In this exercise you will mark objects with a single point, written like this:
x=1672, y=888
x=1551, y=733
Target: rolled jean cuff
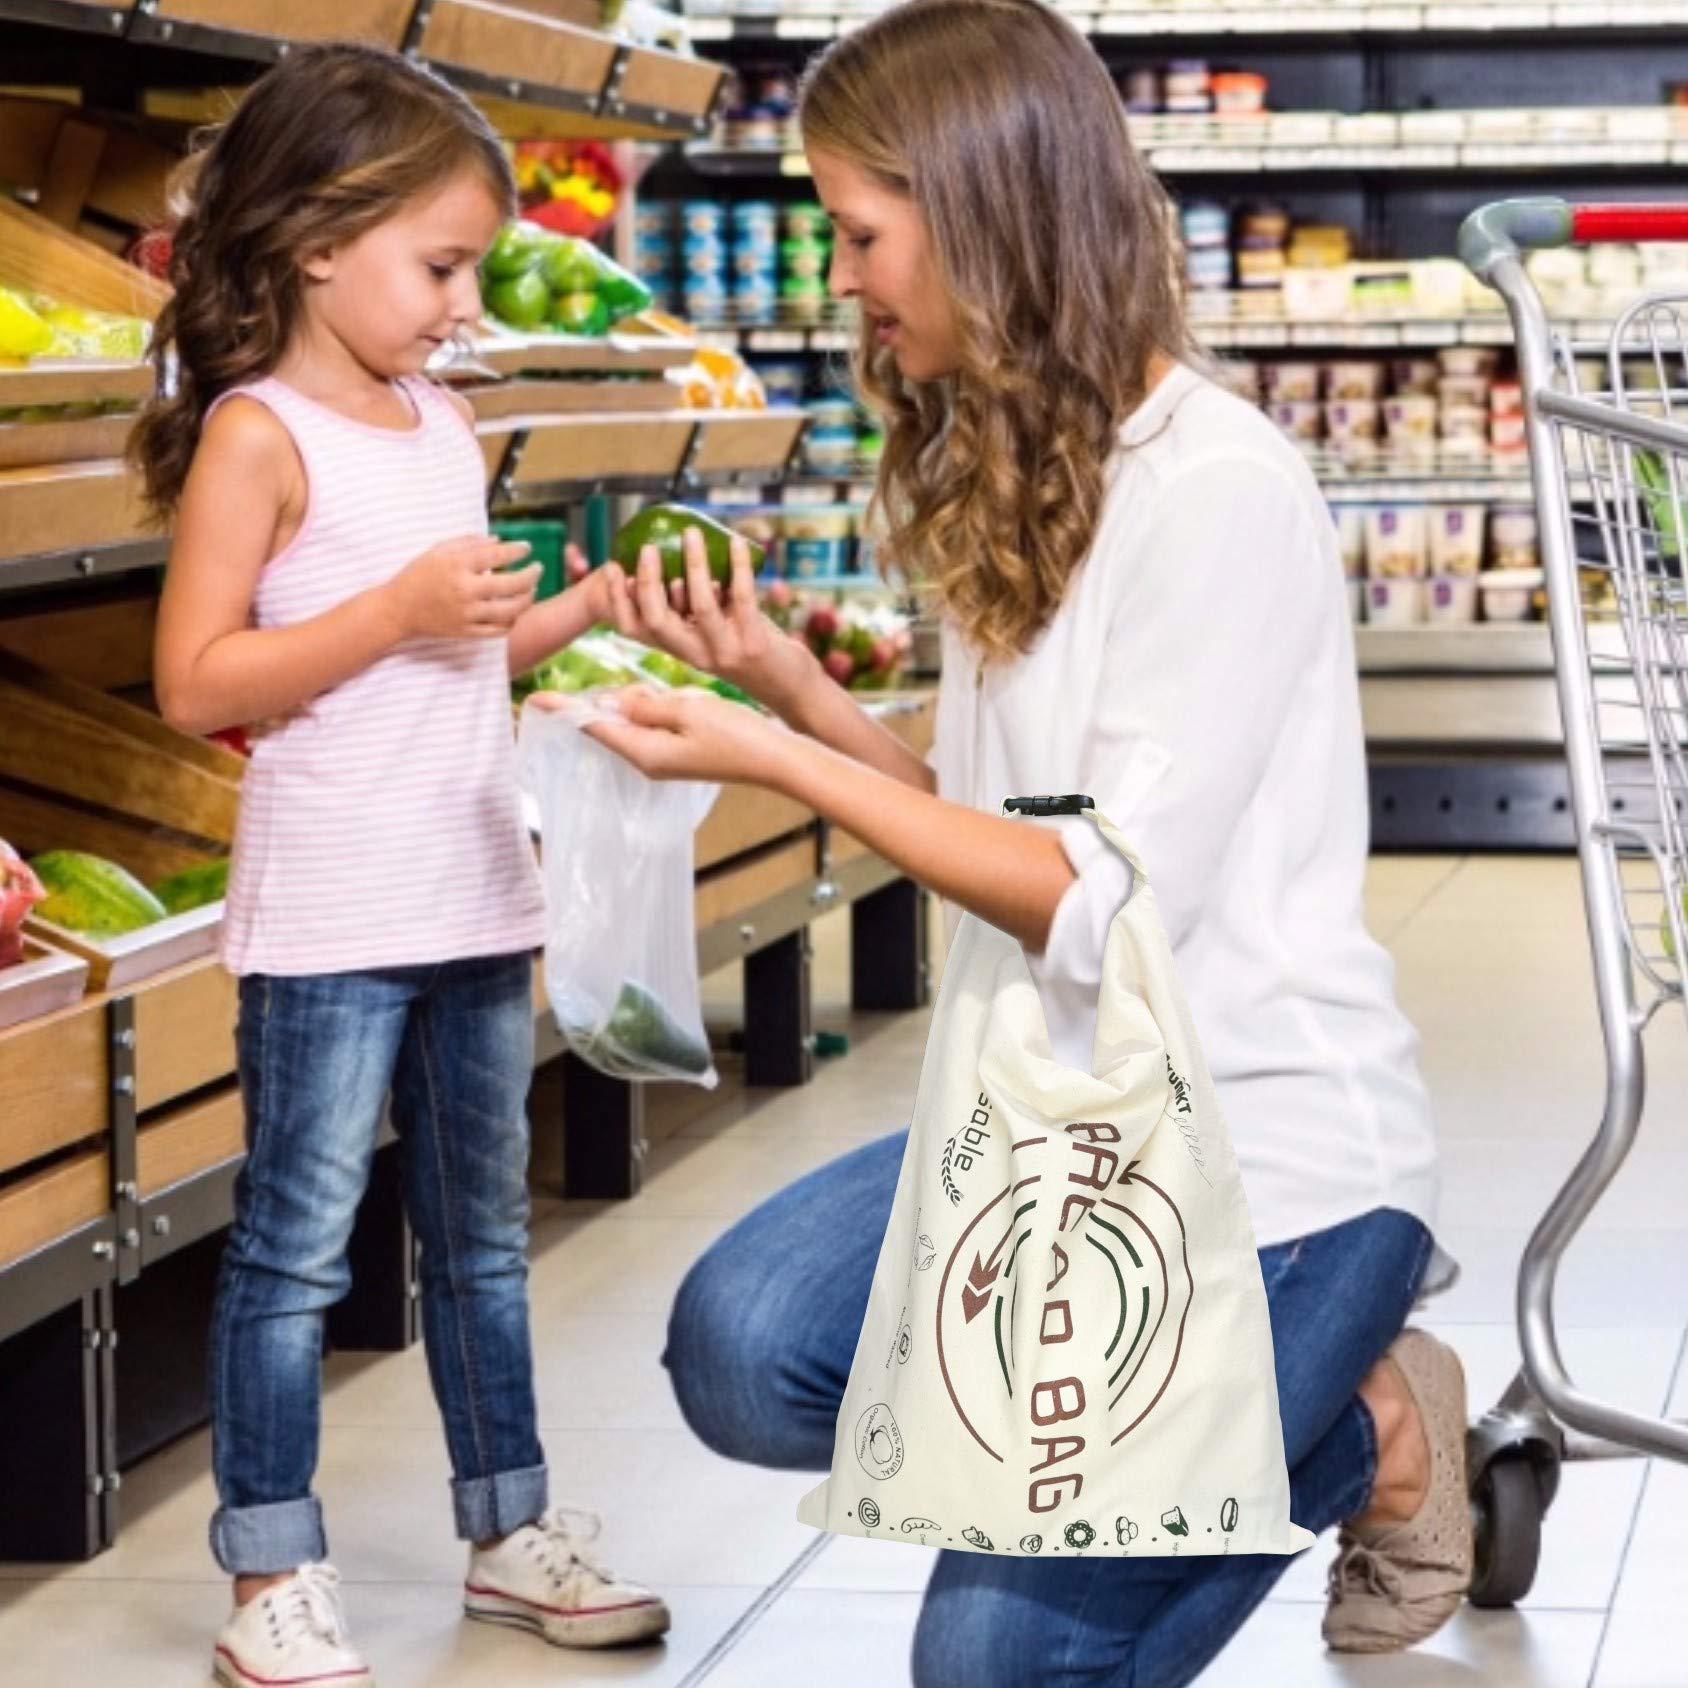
x=496, y=1505
x=259, y=1541
x=1357, y=1428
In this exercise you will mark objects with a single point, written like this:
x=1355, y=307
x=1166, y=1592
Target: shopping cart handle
x=1510, y=226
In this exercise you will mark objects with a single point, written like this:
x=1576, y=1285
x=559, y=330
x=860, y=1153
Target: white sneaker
x=541, y=1577
x=295, y=1633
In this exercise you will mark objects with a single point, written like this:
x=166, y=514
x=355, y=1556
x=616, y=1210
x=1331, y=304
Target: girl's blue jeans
x=759, y=1347
x=452, y=1044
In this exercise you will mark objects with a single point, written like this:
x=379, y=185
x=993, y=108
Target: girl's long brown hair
x=325, y=146
x=1059, y=253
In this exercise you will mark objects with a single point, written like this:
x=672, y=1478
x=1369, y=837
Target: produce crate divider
x=204, y=37
x=120, y=1031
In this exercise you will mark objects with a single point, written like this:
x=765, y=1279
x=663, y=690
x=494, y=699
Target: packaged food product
x=807, y=221
x=1414, y=375
x=1456, y=538
x=1506, y=433
x=817, y=543
x=1142, y=90
x=1508, y=594
x=1206, y=224
x=1468, y=360
x=1464, y=422
x=1238, y=93
x=1316, y=295
x=1356, y=599
x=1410, y=416
x=1506, y=398
x=1290, y=382
x=1351, y=538
x=20, y=891
x=1513, y=534
x=1187, y=87
x=1451, y=599
x=1394, y=603
x=1320, y=246
x=1395, y=542
x=1438, y=286
x=1301, y=419
x=1354, y=378
x=1352, y=419
x=1260, y=268
x=1463, y=390
x=1262, y=225
x=1208, y=267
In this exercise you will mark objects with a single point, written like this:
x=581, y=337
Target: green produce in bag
x=663, y=526
x=515, y=249
x=522, y=301
x=620, y=971
x=581, y=313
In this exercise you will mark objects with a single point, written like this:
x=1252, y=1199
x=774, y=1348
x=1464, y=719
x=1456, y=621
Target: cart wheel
x=1506, y=1512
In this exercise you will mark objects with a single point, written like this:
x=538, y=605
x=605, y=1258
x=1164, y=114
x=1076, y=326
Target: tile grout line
x=1456, y=866
x=1634, y=1523
x=754, y=1613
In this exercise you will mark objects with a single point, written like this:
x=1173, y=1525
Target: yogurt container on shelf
x=1301, y=419
x=1509, y=594
x=1463, y=389
x=1506, y=434
x=1352, y=419
x=1350, y=522
x=1464, y=422
x=1451, y=599
x=1315, y=295
x=1456, y=539
x=1290, y=382
x=1409, y=417
x=1354, y=378
x=1513, y=536
x=1414, y=375
x=1238, y=93
x=1468, y=360
x=1395, y=542
x=1394, y=603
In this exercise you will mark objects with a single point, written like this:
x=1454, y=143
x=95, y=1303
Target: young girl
x=1142, y=601
x=333, y=578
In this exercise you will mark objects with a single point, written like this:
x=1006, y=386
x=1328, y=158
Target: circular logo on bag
x=868, y=1512
x=1079, y=1535
x=1050, y=1361
x=879, y=1443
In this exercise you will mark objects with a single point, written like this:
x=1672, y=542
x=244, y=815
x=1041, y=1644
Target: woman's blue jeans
x=453, y=1044
x=759, y=1347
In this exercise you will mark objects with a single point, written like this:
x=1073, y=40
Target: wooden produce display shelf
x=54, y=1083
x=529, y=398
x=71, y=162
x=623, y=352
x=537, y=459
x=257, y=28
x=522, y=54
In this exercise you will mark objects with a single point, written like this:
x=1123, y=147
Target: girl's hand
x=454, y=590
x=689, y=734
x=720, y=629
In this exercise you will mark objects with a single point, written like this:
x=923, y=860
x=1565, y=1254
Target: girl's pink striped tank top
x=380, y=827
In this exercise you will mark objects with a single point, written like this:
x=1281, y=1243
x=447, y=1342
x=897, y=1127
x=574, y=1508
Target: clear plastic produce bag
x=620, y=939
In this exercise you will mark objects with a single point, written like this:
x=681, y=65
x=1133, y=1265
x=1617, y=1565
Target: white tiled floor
x=1493, y=968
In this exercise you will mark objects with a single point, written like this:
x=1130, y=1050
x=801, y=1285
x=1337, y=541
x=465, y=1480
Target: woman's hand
x=689, y=734
x=720, y=629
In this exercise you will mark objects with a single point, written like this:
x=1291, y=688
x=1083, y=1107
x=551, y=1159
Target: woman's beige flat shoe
x=1395, y=1584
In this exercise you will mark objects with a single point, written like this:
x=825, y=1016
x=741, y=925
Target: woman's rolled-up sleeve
x=1216, y=606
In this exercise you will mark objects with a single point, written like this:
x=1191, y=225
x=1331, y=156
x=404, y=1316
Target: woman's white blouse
x=1198, y=681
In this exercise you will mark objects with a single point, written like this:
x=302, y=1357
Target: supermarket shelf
x=777, y=337
x=98, y=562
x=794, y=22
x=618, y=353
x=612, y=86
x=1524, y=647
x=1245, y=326
x=1583, y=138
x=107, y=19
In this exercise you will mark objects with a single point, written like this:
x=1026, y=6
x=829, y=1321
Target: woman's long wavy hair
x=331, y=142
x=1058, y=251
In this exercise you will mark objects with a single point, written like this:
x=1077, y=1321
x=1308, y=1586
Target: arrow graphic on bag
x=982, y=1276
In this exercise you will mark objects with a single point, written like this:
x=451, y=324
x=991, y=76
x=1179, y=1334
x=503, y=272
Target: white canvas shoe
x=293, y=1633
x=542, y=1577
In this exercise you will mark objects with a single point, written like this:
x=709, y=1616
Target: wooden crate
x=86, y=439
x=184, y=1032
x=602, y=448
x=381, y=21
x=62, y=507
x=42, y=983
x=745, y=816
x=38, y=255
x=189, y=1140
x=54, y=1076
x=508, y=44
x=560, y=398
x=116, y=964
x=741, y=442
x=75, y=161
x=50, y=1204
x=631, y=348
x=106, y=643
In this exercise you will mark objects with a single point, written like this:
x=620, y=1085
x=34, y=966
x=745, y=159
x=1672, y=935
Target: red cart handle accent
x=1594, y=223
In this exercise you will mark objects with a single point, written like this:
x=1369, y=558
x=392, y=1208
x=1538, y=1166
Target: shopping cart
x=1608, y=438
